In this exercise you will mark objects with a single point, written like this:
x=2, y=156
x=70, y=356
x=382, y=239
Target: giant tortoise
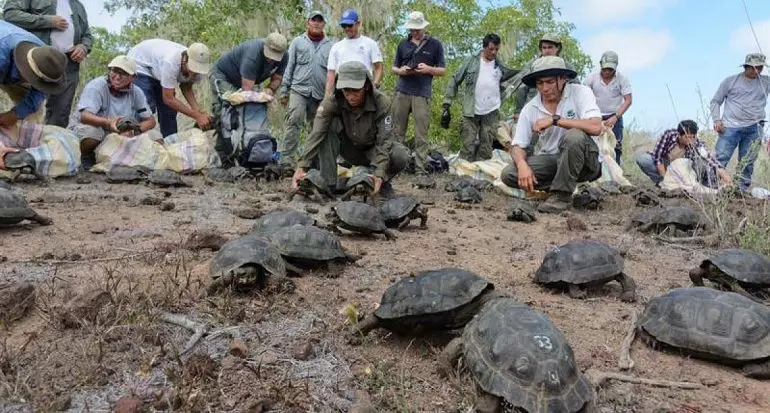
x=738, y=270
x=359, y=217
x=246, y=263
x=519, y=359
x=312, y=185
x=584, y=263
x=14, y=209
x=720, y=326
x=308, y=247
x=675, y=220
x=399, y=211
x=276, y=220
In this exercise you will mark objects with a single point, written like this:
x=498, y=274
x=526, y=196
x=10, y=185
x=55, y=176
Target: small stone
x=311, y=209
x=710, y=381
x=128, y=404
x=238, y=348
x=167, y=206
x=451, y=252
x=302, y=351
x=248, y=213
x=82, y=180
x=150, y=200
x=575, y=224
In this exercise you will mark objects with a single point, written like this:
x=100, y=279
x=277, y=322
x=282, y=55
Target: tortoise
x=398, y=212
x=738, y=270
x=468, y=194
x=584, y=263
x=431, y=300
x=677, y=220
x=520, y=360
x=313, y=185
x=127, y=174
x=14, y=209
x=643, y=218
x=610, y=187
x=22, y=162
x=308, y=247
x=216, y=174
x=5, y=185
x=275, y=220
x=125, y=123
x=360, y=183
x=358, y=217
x=589, y=198
x=709, y=324
x=521, y=210
x=465, y=181
x=166, y=178
x=246, y=263
x=423, y=181
x=646, y=197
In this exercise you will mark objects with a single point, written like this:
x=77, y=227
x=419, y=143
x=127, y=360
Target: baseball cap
x=275, y=46
x=352, y=75
x=199, y=58
x=315, y=13
x=124, y=63
x=609, y=60
x=349, y=16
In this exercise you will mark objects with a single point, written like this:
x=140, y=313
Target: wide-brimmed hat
x=352, y=75
x=547, y=66
x=43, y=67
x=755, y=59
x=199, y=58
x=275, y=46
x=416, y=21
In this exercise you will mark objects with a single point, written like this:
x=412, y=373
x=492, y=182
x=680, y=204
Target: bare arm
x=247, y=84
x=147, y=124
x=330, y=74
x=89, y=118
x=591, y=126
x=170, y=99
x=377, y=73
x=275, y=83
x=627, y=101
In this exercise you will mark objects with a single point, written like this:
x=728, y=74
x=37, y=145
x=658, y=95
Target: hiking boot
x=386, y=191
x=557, y=202
x=87, y=161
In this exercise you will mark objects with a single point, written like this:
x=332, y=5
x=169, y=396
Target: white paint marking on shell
x=544, y=342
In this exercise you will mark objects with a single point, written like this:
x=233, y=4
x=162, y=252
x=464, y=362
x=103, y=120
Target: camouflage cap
x=352, y=75
x=551, y=38
x=609, y=60
x=755, y=59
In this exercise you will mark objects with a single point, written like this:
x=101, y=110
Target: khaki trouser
x=577, y=161
x=16, y=93
x=337, y=144
x=477, y=134
x=419, y=106
x=301, y=109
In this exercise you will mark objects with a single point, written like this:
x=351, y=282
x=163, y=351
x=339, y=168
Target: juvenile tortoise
x=14, y=209
x=313, y=186
x=275, y=220
x=361, y=182
x=432, y=300
x=398, y=212
x=737, y=270
x=521, y=210
x=308, y=247
x=468, y=194
x=125, y=174
x=22, y=162
x=125, y=123
x=465, y=181
x=520, y=360
x=709, y=324
x=641, y=219
x=423, y=181
x=358, y=217
x=246, y=263
x=165, y=178
x=583, y=263
x=675, y=220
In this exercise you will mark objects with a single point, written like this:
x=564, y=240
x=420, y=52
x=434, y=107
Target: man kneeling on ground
x=565, y=116
x=103, y=102
x=682, y=142
x=354, y=122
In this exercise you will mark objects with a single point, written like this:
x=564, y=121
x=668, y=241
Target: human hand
x=60, y=23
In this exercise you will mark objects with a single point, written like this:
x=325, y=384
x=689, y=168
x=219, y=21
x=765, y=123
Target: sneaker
x=386, y=191
x=556, y=203
x=88, y=161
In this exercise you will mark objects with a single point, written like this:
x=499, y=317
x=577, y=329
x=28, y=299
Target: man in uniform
x=566, y=116
x=355, y=123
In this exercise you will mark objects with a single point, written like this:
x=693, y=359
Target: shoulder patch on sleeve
x=388, y=120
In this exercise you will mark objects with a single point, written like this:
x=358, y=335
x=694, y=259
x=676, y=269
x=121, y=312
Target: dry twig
x=91, y=260
x=600, y=377
x=624, y=361
x=199, y=329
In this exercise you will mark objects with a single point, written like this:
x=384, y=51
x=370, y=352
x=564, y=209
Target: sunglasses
x=346, y=26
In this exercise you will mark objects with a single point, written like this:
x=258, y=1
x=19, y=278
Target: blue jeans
x=618, y=131
x=153, y=91
x=748, y=141
x=706, y=174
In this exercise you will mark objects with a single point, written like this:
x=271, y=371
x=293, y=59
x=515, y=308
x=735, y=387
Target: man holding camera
x=418, y=59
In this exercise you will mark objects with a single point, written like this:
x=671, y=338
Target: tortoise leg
x=696, y=276
x=293, y=269
x=487, y=402
x=404, y=223
x=283, y=284
x=42, y=219
x=423, y=215
x=629, y=287
x=220, y=283
x=760, y=371
x=734, y=286
x=447, y=359
x=292, y=194
x=348, y=194
x=389, y=235
x=576, y=292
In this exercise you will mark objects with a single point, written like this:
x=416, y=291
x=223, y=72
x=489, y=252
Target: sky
x=675, y=52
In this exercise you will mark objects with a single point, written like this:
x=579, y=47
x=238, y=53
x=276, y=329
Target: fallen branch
x=707, y=239
x=199, y=329
x=624, y=361
x=92, y=260
x=600, y=377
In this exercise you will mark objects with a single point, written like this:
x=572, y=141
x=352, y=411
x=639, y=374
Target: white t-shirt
x=487, y=87
x=363, y=49
x=63, y=40
x=609, y=96
x=161, y=59
x=577, y=102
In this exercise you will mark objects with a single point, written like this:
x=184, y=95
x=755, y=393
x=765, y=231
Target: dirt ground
x=123, y=258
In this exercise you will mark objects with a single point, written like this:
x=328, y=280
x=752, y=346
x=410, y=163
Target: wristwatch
x=556, y=119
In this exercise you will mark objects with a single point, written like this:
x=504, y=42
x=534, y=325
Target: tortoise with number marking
x=738, y=270
x=399, y=211
x=358, y=217
x=433, y=300
x=520, y=361
x=14, y=209
x=583, y=263
x=246, y=263
x=715, y=325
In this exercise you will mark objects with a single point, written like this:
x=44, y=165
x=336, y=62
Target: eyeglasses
x=346, y=26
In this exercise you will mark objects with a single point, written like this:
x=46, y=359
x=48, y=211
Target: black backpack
x=260, y=151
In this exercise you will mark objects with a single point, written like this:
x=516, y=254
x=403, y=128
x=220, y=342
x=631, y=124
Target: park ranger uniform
x=363, y=136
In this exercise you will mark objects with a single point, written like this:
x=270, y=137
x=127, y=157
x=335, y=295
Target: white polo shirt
x=609, y=96
x=363, y=49
x=577, y=102
x=161, y=60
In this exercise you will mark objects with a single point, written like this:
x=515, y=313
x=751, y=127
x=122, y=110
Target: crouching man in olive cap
x=354, y=122
x=565, y=116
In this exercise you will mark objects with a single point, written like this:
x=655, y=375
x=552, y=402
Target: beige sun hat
x=124, y=63
x=275, y=46
x=416, y=21
x=199, y=58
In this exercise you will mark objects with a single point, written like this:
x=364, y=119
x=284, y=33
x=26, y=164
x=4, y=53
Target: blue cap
x=349, y=16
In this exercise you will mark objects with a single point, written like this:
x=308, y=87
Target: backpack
x=261, y=150
x=244, y=132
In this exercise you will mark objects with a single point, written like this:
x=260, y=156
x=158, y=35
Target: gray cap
x=275, y=46
x=755, y=59
x=609, y=60
x=547, y=66
x=315, y=13
x=352, y=75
